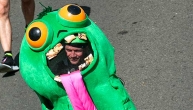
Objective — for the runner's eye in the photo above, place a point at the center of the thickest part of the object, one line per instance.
(68, 50)
(78, 51)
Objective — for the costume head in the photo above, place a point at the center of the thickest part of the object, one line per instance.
(42, 47)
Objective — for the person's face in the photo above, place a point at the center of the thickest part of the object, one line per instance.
(74, 54)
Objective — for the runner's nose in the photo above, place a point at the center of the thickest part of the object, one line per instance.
(73, 54)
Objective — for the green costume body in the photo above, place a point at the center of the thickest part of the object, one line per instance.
(105, 89)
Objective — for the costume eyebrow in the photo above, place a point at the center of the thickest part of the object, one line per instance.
(61, 31)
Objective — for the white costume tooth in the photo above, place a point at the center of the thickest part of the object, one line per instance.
(57, 78)
(69, 38)
(50, 54)
(88, 61)
(82, 36)
(54, 52)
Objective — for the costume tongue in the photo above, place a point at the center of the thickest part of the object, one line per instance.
(76, 91)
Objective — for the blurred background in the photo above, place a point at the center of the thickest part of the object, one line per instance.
(153, 51)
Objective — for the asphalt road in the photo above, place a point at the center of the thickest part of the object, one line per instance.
(153, 51)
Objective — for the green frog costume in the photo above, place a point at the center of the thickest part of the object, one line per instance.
(42, 49)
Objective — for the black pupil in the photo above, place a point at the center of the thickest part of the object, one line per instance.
(34, 33)
(75, 10)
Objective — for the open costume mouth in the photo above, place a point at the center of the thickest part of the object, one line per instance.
(57, 59)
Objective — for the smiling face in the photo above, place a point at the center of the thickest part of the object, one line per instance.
(74, 54)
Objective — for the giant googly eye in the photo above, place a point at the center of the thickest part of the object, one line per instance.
(72, 13)
(72, 16)
(37, 35)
